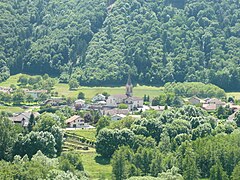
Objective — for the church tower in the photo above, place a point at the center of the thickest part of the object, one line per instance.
(129, 87)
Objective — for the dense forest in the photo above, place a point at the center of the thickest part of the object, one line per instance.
(100, 42)
(181, 143)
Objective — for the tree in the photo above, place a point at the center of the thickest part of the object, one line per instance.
(81, 95)
(190, 169)
(237, 119)
(45, 76)
(119, 164)
(236, 172)
(29, 98)
(23, 79)
(171, 174)
(143, 159)
(50, 123)
(13, 87)
(106, 94)
(18, 97)
(165, 143)
(74, 158)
(73, 84)
(156, 166)
(220, 112)
(109, 140)
(217, 172)
(122, 106)
(88, 118)
(7, 138)
(103, 122)
(33, 142)
(31, 123)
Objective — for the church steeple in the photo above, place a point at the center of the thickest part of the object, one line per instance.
(129, 87)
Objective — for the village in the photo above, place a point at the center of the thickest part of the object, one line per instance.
(116, 106)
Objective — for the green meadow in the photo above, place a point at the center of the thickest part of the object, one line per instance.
(96, 166)
(63, 89)
(90, 92)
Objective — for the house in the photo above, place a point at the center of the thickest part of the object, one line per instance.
(54, 101)
(111, 112)
(98, 97)
(23, 118)
(215, 101)
(209, 107)
(7, 90)
(195, 100)
(134, 102)
(118, 117)
(79, 104)
(76, 122)
(114, 100)
(102, 103)
(34, 93)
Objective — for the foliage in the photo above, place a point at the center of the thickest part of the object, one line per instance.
(73, 84)
(48, 122)
(236, 172)
(237, 119)
(167, 99)
(8, 136)
(189, 89)
(99, 42)
(102, 123)
(217, 172)
(37, 82)
(39, 167)
(122, 106)
(81, 95)
(33, 142)
(109, 140)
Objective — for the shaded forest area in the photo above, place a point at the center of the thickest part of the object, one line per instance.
(99, 42)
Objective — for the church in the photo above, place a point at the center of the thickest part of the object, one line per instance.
(127, 98)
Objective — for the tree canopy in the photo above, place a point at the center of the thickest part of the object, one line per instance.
(99, 42)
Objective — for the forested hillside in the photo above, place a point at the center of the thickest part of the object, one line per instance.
(48, 36)
(100, 41)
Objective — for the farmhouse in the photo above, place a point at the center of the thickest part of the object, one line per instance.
(76, 122)
(23, 118)
(54, 101)
(216, 101)
(98, 97)
(79, 104)
(111, 112)
(195, 100)
(117, 117)
(114, 100)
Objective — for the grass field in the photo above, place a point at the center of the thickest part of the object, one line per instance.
(11, 80)
(87, 133)
(11, 109)
(96, 166)
(63, 89)
(235, 95)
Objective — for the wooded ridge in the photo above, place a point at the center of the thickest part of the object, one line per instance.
(100, 42)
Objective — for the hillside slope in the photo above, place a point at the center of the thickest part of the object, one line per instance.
(100, 41)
